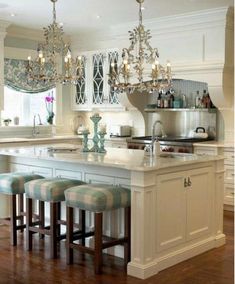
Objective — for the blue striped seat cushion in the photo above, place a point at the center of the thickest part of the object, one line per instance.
(98, 197)
(49, 189)
(13, 183)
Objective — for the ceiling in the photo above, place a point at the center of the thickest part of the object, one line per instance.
(83, 16)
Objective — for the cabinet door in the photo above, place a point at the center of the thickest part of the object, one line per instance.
(98, 70)
(171, 210)
(199, 202)
(112, 96)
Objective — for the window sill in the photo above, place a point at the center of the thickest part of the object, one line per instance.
(23, 131)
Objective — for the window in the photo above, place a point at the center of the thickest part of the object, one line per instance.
(26, 105)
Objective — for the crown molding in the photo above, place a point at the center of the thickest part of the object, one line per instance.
(170, 25)
(28, 33)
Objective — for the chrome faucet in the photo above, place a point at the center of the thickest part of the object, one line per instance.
(35, 132)
(154, 136)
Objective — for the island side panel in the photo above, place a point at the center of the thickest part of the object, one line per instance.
(143, 212)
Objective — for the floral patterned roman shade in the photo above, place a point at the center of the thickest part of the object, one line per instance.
(16, 78)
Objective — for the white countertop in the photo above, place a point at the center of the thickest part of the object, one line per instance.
(128, 159)
(220, 144)
(37, 138)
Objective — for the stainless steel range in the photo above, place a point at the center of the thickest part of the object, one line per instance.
(177, 144)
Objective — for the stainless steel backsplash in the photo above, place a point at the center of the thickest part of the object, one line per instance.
(181, 123)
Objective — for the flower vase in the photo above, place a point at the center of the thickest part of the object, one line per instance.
(50, 118)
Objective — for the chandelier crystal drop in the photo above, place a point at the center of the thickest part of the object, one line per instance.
(131, 76)
(54, 62)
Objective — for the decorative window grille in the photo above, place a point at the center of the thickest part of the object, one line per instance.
(81, 86)
(113, 57)
(98, 78)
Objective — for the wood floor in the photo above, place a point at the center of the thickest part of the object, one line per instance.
(19, 266)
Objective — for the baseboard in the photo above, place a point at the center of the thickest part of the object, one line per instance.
(229, 207)
(163, 262)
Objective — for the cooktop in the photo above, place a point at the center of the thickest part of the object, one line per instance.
(174, 138)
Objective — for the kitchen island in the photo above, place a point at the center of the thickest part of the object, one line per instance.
(176, 199)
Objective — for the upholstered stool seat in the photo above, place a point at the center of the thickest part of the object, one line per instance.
(47, 190)
(12, 184)
(97, 198)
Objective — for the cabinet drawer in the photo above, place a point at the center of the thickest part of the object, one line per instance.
(68, 174)
(46, 172)
(119, 145)
(229, 174)
(95, 178)
(19, 168)
(205, 151)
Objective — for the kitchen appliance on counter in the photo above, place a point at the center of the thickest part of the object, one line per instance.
(120, 131)
(177, 144)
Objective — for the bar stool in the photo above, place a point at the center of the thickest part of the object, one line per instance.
(52, 191)
(12, 184)
(97, 198)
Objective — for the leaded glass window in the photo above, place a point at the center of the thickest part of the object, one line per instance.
(113, 57)
(98, 78)
(81, 85)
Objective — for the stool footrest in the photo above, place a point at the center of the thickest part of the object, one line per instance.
(114, 242)
(82, 248)
(39, 230)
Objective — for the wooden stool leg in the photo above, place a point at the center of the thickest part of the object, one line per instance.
(29, 216)
(21, 210)
(98, 243)
(41, 217)
(82, 223)
(58, 218)
(13, 220)
(69, 235)
(53, 227)
(127, 234)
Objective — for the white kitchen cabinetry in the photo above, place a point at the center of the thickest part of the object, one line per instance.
(93, 91)
(228, 153)
(115, 144)
(43, 171)
(179, 197)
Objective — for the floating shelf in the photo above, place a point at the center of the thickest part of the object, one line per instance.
(210, 110)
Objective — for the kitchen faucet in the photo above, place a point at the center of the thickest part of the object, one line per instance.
(34, 131)
(154, 136)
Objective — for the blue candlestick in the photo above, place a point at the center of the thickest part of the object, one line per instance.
(102, 140)
(85, 141)
(95, 119)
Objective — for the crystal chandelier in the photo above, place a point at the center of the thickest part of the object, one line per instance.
(131, 76)
(54, 62)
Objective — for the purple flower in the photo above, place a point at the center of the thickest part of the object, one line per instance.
(49, 99)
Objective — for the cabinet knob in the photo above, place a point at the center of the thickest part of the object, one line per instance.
(185, 183)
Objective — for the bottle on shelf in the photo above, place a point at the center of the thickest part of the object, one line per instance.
(171, 100)
(183, 101)
(204, 99)
(166, 100)
(198, 100)
(159, 100)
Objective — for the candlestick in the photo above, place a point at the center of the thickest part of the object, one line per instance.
(95, 118)
(102, 140)
(85, 140)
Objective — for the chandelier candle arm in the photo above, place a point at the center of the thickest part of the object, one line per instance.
(131, 75)
(50, 53)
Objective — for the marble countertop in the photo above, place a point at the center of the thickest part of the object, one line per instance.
(51, 138)
(219, 144)
(128, 159)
